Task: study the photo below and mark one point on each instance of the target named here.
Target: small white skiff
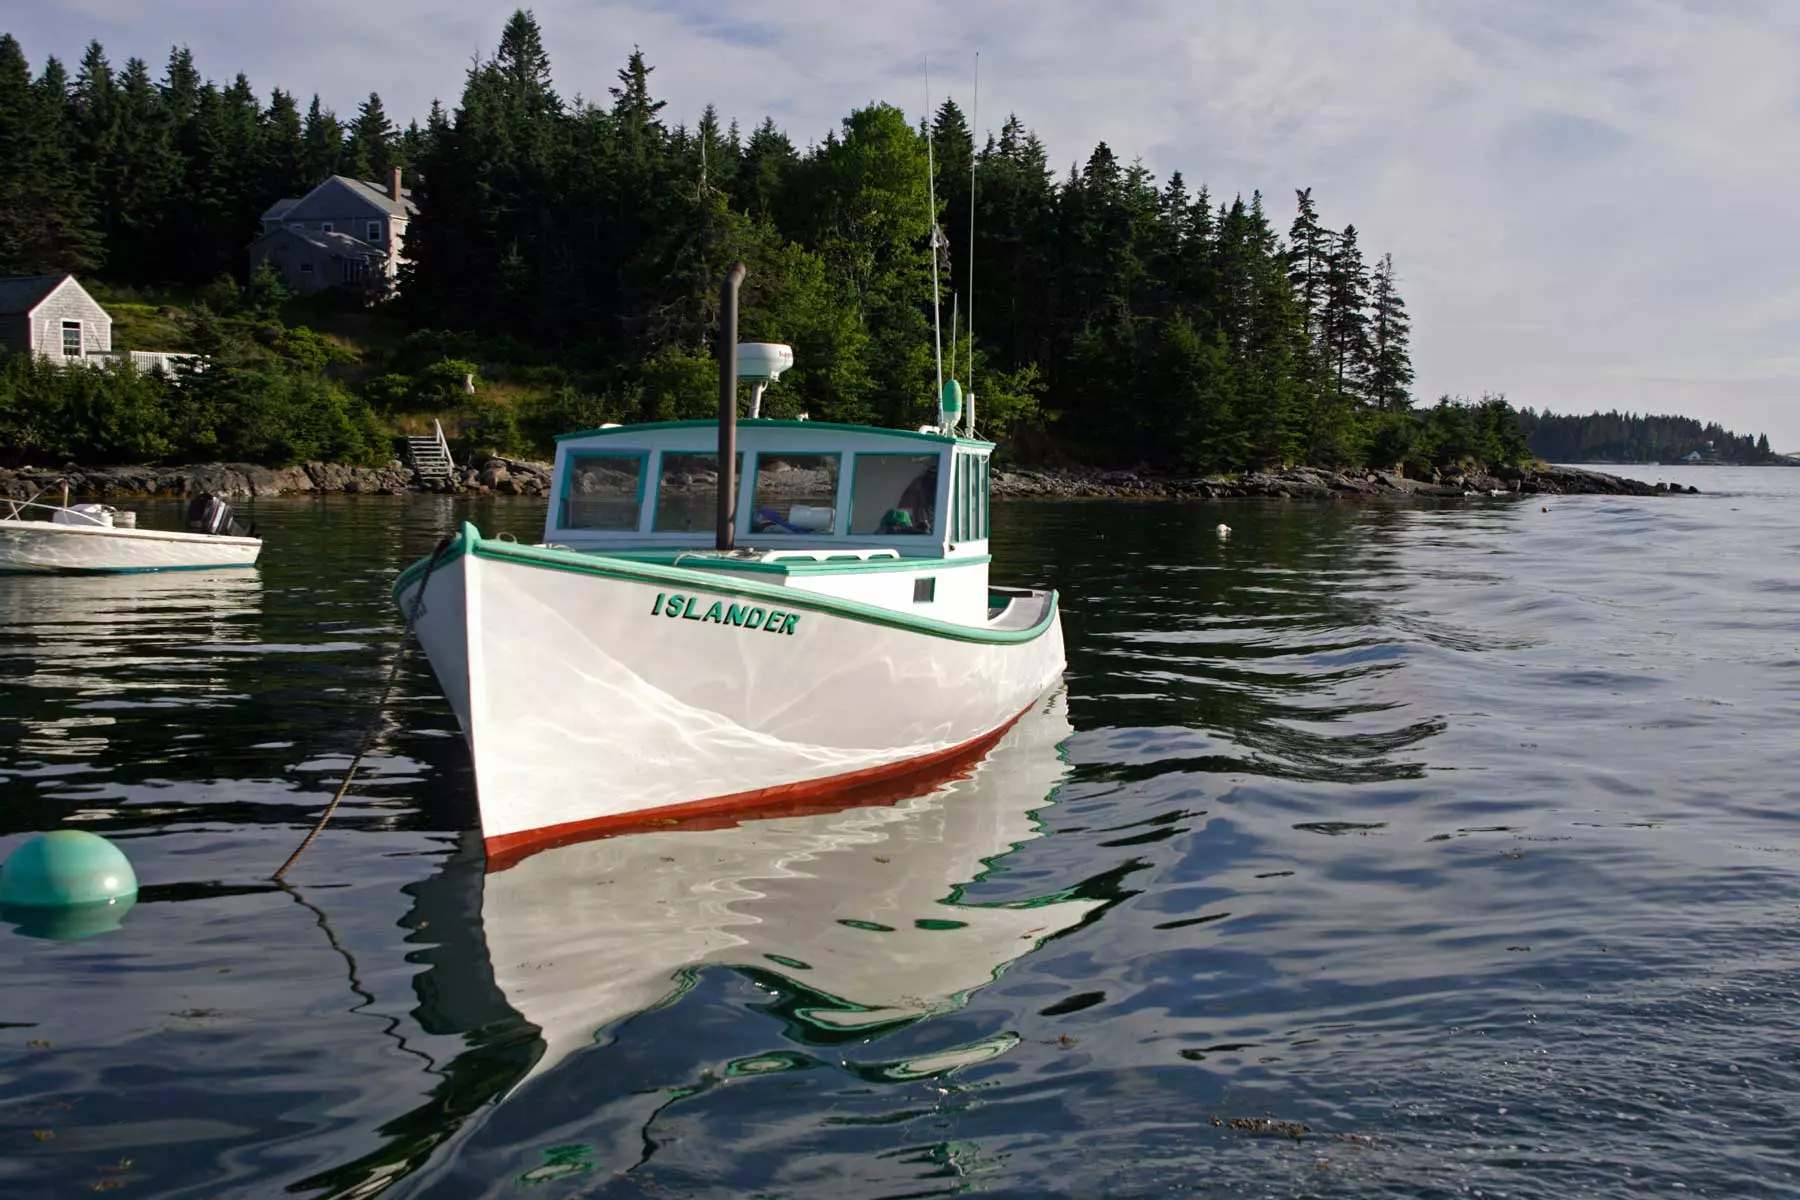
(52, 539)
(832, 627)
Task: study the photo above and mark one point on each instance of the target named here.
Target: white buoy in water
(1224, 531)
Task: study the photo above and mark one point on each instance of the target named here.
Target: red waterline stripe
(855, 789)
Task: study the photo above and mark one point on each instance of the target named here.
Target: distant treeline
(569, 253)
(1615, 437)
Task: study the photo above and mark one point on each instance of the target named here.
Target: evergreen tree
(767, 159)
(283, 170)
(46, 224)
(1344, 317)
(1309, 256)
(181, 88)
(370, 149)
(1390, 364)
(144, 174)
(323, 139)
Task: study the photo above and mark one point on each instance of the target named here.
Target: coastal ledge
(243, 481)
(519, 477)
(1313, 483)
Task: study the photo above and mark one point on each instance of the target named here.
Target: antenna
(937, 314)
(969, 283)
(955, 319)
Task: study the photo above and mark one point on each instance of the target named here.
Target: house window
(325, 226)
(893, 493)
(374, 231)
(71, 331)
(795, 493)
(306, 268)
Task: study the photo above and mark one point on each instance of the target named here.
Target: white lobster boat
(62, 538)
(836, 628)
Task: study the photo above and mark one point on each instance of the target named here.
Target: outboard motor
(208, 514)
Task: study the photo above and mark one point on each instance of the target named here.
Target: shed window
(306, 268)
(325, 227)
(603, 492)
(687, 491)
(795, 493)
(71, 331)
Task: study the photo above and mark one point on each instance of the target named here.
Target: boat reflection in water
(859, 907)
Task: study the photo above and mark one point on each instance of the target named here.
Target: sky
(1589, 202)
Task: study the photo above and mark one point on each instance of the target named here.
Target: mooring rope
(412, 620)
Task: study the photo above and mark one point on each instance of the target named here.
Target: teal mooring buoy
(66, 884)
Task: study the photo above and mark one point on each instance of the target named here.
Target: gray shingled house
(52, 315)
(344, 233)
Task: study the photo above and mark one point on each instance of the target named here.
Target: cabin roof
(750, 425)
(22, 293)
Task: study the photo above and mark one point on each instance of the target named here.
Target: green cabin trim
(941, 439)
(469, 540)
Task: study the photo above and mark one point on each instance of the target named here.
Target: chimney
(394, 186)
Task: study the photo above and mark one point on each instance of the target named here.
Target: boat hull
(588, 706)
(43, 547)
(860, 909)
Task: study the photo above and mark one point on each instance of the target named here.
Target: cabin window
(603, 492)
(71, 331)
(687, 491)
(795, 493)
(893, 494)
(925, 590)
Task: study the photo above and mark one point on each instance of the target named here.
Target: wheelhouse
(820, 490)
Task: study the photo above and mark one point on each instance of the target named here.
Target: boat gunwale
(469, 541)
(796, 566)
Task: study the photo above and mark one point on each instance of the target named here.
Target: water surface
(1462, 835)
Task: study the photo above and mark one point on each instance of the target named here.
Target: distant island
(534, 263)
(1615, 437)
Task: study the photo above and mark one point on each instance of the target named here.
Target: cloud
(1588, 204)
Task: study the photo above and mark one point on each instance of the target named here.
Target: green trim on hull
(469, 540)
(942, 439)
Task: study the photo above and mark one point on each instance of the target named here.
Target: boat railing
(15, 509)
(829, 555)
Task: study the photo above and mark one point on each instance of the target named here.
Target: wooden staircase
(429, 456)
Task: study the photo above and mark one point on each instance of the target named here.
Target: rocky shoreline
(1313, 483)
(518, 477)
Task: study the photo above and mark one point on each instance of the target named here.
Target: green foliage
(309, 351)
(266, 293)
(569, 252)
(492, 429)
(566, 410)
(117, 414)
(1457, 432)
(1627, 437)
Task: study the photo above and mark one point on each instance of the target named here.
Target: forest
(567, 255)
(1615, 437)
